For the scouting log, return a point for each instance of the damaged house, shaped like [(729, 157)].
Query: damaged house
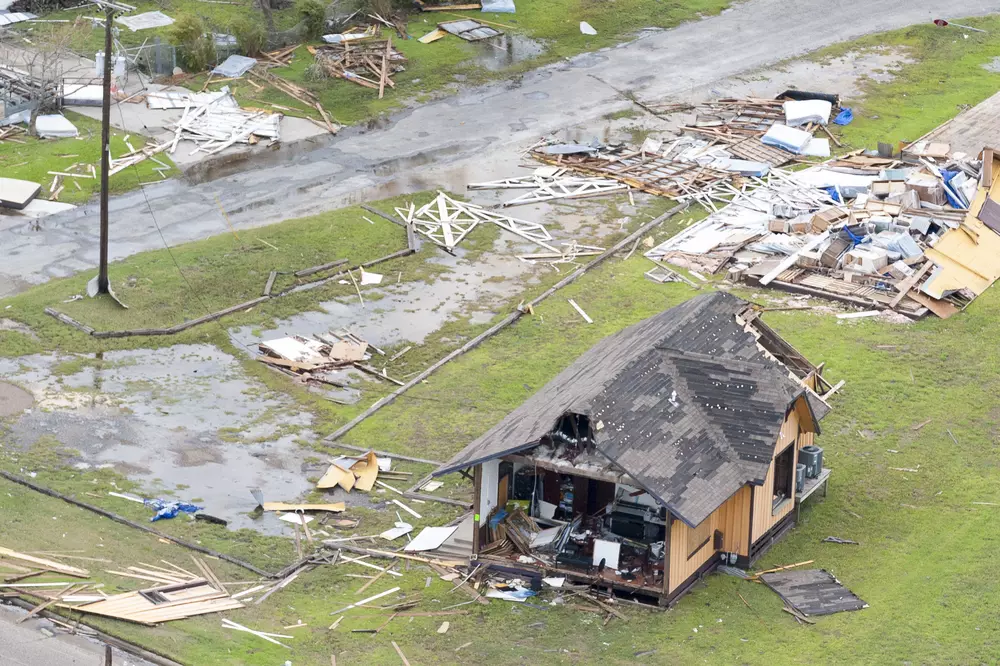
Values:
[(667, 448)]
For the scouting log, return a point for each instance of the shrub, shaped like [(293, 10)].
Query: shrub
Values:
[(251, 36), (313, 15), (197, 51)]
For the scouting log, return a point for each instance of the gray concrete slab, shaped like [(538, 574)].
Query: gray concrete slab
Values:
[(468, 136)]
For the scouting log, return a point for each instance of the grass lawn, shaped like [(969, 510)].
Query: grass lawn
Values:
[(926, 561), (33, 159), (946, 76)]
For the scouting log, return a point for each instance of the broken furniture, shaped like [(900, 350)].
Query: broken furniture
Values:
[(676, 440)]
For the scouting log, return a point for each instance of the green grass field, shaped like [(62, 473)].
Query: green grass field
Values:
[(925, 565)]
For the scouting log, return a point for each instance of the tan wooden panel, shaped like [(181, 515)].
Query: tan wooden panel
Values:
[(732, 519)]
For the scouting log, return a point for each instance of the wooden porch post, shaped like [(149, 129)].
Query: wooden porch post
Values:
[(666, 558), (477, 487)]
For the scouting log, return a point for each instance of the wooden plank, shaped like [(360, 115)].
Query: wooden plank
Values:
[(375, 578), (400, 653), (58, 567), (583, 314), (790, 260), (385, 67), (909, 283), (336, 507), (45, 604)]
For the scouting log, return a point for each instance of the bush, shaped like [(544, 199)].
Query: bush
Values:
[(197, 51), (313, 15), (251, 36)]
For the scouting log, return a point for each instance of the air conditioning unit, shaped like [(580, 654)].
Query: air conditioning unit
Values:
[(800, 477), (812, 458)]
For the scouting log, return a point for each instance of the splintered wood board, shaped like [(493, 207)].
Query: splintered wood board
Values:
[(281, 506)]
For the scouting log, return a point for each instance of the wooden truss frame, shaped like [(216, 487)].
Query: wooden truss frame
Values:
[(649, 173), (558, 185), (446, 221)]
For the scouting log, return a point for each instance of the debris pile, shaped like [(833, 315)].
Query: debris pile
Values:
[(872, 231), (357, 59), (20, 92), (315, 359), (219, 123), (641, 169), (180, 593), (772, 131)]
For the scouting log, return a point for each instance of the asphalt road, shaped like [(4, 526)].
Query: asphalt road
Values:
[(25, 645), (466, 134)]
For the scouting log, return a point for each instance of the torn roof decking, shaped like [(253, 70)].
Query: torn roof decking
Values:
[(731, 399), (972, 129), (813, 591)]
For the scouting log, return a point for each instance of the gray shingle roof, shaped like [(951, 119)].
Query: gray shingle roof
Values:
[(685, 402)]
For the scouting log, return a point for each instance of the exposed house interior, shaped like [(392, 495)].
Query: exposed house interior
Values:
[(666, 449)]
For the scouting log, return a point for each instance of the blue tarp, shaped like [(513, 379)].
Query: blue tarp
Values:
[(844, 117), (166, 509)]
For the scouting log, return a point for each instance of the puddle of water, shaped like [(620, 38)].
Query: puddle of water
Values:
[(501, 52), (13, 400), (408, 312), (156, 415)]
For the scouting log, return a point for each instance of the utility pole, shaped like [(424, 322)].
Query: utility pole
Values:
[(103, 284)]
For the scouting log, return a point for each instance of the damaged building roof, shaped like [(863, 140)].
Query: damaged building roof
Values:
[(685, 402)]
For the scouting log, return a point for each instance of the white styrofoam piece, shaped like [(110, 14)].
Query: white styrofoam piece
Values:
[(55, 126), (430, 538), (788, 138), (803, 112)]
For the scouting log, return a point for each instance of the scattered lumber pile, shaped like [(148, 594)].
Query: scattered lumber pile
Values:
[(636, 168), (316, 359), (10, 133), (176, 601), (354, 59), (83, 171), (215, 126), (281, 57), (179, 593)]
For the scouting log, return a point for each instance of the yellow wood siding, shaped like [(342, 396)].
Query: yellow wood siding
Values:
[(763, 518), (732, 519)]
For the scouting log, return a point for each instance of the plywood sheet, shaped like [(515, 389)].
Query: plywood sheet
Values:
[(336, 476)]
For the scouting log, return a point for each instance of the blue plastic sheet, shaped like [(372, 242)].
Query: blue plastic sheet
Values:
[(948, 175), (166, 509), (844, 117), (834, 194)]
